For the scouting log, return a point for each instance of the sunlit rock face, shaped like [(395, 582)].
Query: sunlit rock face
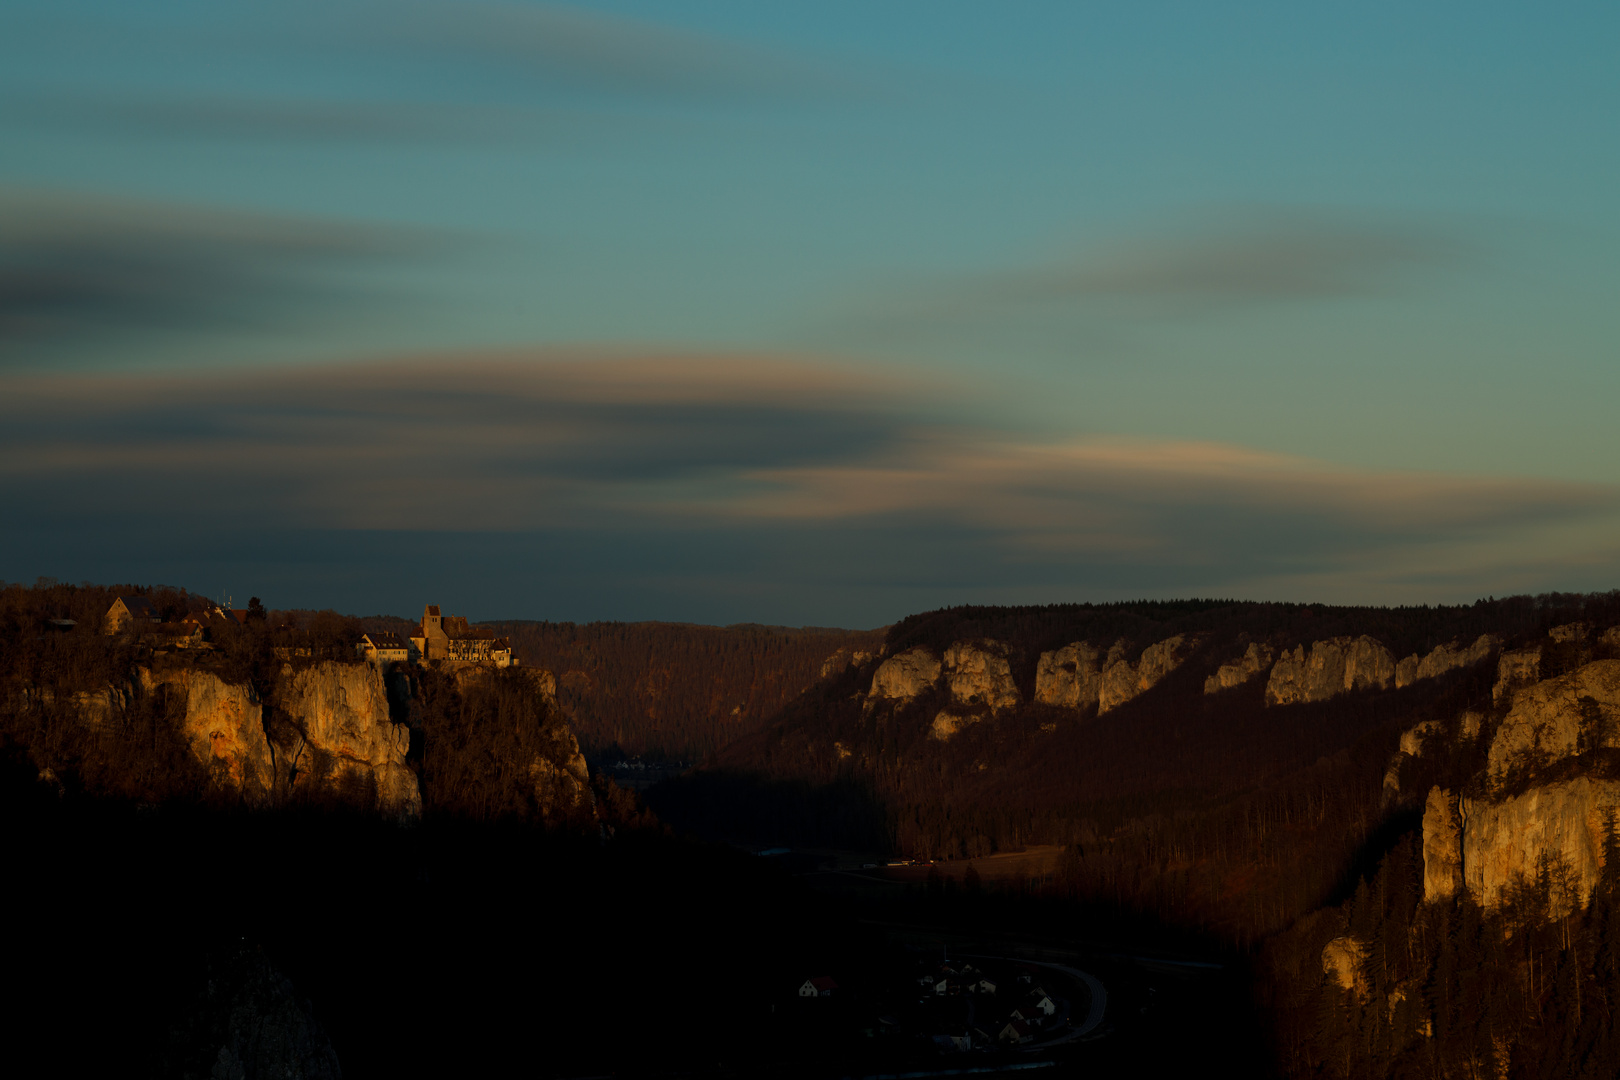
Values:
[(224, 725), (905, 675), (1515, 669), (947, 723), (1123, 680), (1444, 658), (1558, 718), (1332, 667), (1070, 677), (341, 711), (1254, 661), (978, 674), (1344, 960), (1556, 830), (1558, 827), (1442, 846)]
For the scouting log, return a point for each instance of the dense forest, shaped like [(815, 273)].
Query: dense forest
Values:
[(677, 690)]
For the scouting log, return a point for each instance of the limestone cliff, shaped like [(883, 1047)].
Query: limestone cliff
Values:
[(978, 674), (842, 660), (223, 723), (1070, 677), (1332, 667), (1078, 676), (1559, 718), (1123, 680), (947, 723), (1442, 845), (1254, 661), (905, 675), (1445, 658), (560, 777), (1344, 960), (1557, 827), (1520, 833), (1515, 669), (347, 734)]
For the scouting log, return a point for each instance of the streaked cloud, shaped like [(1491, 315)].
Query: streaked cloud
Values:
[(234, 117), (78, 270), (606, 53), (772, 449), (1263, 256), (402, 70)]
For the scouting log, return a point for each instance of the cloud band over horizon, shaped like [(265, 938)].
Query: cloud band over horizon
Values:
[(755, 455)]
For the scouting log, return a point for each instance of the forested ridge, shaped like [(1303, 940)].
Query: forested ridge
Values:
[(1275, 829), (677, 690)]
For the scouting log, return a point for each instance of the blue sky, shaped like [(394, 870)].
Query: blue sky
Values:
[(809, 313)]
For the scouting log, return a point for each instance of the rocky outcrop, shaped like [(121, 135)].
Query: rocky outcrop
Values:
[(1515, 669), (1552, 832), (1078, 676), (1332, 667), (347, 734), (1445, 658), (1123, 680), (1254, 661), (842, 660), (224, 725), (1070, 677), (978, 674), (1442, 846), (905, 675), (1557, 829), (947, 723), (1558, 718), (1344, 960), (557, 776)]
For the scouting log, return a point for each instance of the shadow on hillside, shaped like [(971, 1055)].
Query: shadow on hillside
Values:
[(749, 808)]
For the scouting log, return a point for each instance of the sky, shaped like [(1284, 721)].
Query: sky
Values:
[(809, 313)]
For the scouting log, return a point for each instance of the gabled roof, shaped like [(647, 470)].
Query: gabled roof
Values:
[(140, 607), (433, 609), (384, 639), (823, 983)]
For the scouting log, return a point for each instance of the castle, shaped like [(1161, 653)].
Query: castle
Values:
[(448, 637)]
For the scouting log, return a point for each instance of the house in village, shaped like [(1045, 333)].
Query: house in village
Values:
[(1040, 1001), (820, 986), (1015, 1032), (448, 637), (130, 613), (381, 648), (138, 617)]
